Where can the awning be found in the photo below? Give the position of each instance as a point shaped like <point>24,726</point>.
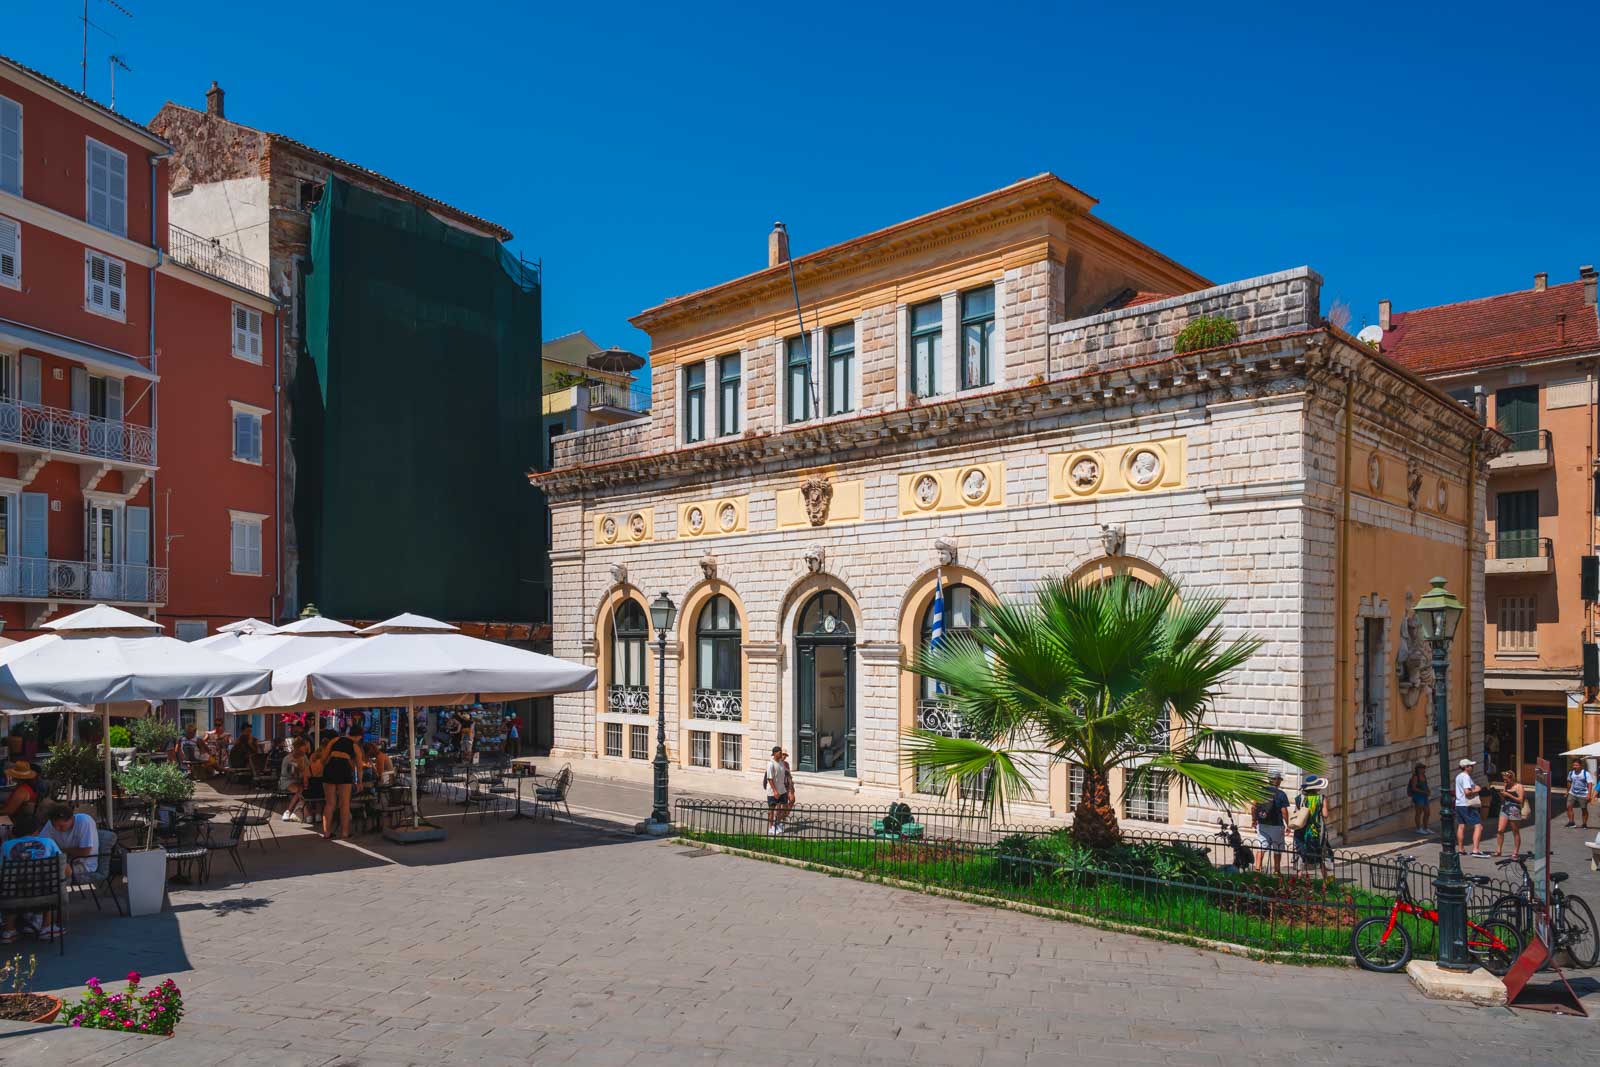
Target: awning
<point>112,362</point>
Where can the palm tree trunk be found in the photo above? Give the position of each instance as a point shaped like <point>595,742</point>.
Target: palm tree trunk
<point>1094,820</point>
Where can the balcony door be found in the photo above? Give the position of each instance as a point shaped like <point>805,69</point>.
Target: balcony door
<point>34,544</point>
<point>101,400</point>
<point>1516,414</point>
<point>1516,531</point>
<point>101,552</point>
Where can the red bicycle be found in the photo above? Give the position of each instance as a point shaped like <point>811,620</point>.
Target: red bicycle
<point>1382,942</point>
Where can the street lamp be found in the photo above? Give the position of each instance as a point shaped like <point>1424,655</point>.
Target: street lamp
<point>1438,614</point>
<point>662,612</point>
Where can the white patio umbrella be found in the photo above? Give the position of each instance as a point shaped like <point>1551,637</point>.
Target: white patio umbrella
<point>1589,751</point>
<point>284,645</point>
<point>410,658</point>
<point>247,626</point>
<point>104,656</point>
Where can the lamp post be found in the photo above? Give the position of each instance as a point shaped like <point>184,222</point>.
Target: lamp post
<point>1438,613</point>
<point>662,612</point>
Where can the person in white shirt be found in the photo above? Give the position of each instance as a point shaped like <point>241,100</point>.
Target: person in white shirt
<point>777,783</point>
<point>76,835</point>
<point>1467,813</point>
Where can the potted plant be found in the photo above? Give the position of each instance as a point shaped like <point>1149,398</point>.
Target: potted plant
<point>78,766</point>
<point>17,1002</point>
<point>153,736</point>
<point>121,745</point>
<point>155,784</point>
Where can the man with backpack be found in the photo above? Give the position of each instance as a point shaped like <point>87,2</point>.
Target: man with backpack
<point>1267,817</point>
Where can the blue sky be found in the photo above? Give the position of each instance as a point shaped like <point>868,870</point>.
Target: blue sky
<point>643,150</point>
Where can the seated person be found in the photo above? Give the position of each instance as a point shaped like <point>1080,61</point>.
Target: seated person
<point>244,755</point>
<point>25,789</point>
<point>26,844</point>
<point>195,755</point>
<point>76,835</point>
<point>381,764</point>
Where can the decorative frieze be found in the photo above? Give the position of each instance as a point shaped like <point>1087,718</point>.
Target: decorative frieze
<point>962,488</point>
<point>714,518</point>
<point>1118,470</point>
<point>1408,482</point>
<point>619,528</point>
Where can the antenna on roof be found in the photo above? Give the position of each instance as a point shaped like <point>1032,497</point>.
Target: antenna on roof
<point>115,62</point>
<point>805,338</point>
<point>84,64</point>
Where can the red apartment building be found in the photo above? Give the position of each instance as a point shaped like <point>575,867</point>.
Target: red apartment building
<point>137,382</point>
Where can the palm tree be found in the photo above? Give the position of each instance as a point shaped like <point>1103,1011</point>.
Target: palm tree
<point>1116,674</point>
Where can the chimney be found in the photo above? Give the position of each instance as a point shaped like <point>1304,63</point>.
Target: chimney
<point>1586,274</point>
<point>777,245</point>
<point>214,101</point>
<point>1383,315</point>
<point>1541,282</point>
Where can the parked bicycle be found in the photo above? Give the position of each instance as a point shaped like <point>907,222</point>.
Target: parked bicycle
<point>1572,925</point>
<point>1243,858</point>
<point>1382,942</point>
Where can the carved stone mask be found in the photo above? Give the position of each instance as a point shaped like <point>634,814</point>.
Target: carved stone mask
<point>818,494</point>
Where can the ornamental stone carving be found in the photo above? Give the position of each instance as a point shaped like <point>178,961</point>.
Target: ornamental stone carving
<point>1413,482</point>
<point>1144,468</point>
<point>1113,539</point>
<point>1411,667</point>
<point>708,566</point>
<point>816,559</point>
<point>975,485</point>
<point>946,551</point>
<point>1374,472</point>
<point>697,519</point>
<point>727,516</point>
<point>1086,473</point>
<point>636,526</point>
<point>926,491</point>
<point>619,574</point>
<point>818,494</point>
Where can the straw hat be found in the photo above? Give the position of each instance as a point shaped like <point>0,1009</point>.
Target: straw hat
<point>21,771</point>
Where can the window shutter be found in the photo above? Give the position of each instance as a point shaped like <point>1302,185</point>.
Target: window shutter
<point>32,380</point>
<point>237,564</point>
<point>116,192</point>
<point>35,525</point>
<point>10,146</point>
<point>241,331</point>
<point>80,391</point>
<point>255,336</point>
<point>114,399</point>
<point>99,205</point>
<point>114,289</point>
<point>94,280</point>
<point>10,250</point>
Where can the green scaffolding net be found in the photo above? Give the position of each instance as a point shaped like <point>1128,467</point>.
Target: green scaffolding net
<point>416,416</point>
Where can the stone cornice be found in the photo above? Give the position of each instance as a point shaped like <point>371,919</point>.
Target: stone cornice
<point>1263,367</point>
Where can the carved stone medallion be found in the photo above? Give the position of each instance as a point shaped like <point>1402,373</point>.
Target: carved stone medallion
<point>1144,468</point>
<point>636,525</point>
<point>818,494</point>
<point>1085,473</point>
<point>975,485</point>
<point>608,529</point>
<point>697,519</point>
<point>727,516</point>
<point>926,491</point>
<point>1374,472</point>
<point>1441,496</point>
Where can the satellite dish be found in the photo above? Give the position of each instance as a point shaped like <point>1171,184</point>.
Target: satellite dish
<point>1370,334</point>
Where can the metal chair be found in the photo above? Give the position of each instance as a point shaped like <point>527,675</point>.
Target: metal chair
<point>34,885</point>
<point>107,864</point>
<point>185,850</point>
<point>553,794</point>
<point>228,843</point>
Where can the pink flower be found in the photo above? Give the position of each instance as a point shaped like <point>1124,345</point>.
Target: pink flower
<point>133,976</point>
<point>93,983</point>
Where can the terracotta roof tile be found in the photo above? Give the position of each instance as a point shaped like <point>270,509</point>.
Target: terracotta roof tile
<point>1509,328</point>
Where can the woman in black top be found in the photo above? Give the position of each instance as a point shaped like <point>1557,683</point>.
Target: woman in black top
<point>341,769</point>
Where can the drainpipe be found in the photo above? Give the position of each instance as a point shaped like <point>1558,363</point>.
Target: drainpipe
<point>1464,682</point>
<point>155,424</point>
<point>277,460</point>
<point>1341,607</point>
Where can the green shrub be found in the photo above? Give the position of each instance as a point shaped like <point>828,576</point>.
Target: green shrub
<point>1207,331</point>
<point>77,765</point>
<point>153,734</point>
<point>120,738</point>
<point>155,784</point>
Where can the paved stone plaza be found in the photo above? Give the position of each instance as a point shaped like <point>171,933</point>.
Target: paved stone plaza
<point>524,943</point>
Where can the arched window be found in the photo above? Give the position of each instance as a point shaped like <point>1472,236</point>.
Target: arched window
<point>628,691</point>
<point>962,605</point>
<point>827,615</point>
<point>719,673</point>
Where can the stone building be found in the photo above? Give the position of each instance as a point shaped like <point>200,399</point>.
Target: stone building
<point>1525,361</point>
<point>989,394</point>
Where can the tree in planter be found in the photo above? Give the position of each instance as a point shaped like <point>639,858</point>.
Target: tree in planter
<point>78,766</point>
<point>152,734</point>
<point>1112,675</point>
<point>155,784</point>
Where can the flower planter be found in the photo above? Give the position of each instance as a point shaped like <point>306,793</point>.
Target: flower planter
<point>29,1007</point>
<point>147,880</point>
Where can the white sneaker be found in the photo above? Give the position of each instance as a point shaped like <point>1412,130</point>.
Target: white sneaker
<point>287,817</point>
<point>772,831</point>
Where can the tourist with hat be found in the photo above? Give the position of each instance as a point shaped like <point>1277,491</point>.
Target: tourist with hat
<point>24,781</point>
<point>1309,822</point>
<point>1468,803</point>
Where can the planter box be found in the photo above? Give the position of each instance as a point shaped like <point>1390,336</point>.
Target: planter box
<point>147,881</point>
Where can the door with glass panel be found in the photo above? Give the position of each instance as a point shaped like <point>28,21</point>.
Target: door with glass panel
<point>825,706</point>
<point>101,557</point>
<point>1517,524</point>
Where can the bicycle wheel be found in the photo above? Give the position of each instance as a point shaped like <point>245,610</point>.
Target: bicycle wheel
<point>1578,934</point>
<point>1495,945</point>
<point>1376,952</point>
<point>1514,910</point>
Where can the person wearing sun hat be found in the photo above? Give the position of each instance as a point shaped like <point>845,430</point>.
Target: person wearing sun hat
<point>1309,822</point>
<point>25,788</point>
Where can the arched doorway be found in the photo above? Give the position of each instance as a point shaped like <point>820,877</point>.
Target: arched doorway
<point>825,685</point>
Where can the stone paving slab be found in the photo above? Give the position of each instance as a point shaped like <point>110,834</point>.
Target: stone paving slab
<point>516,942</point>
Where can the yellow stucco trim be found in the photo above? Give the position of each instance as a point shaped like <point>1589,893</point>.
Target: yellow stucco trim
<point>943,490</point>
<point>717,517</point>
<point>1118,470</point>
<point>845,507</point>
<point>622,528</point>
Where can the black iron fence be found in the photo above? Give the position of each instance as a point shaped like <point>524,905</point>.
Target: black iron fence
<point>1175,883</point>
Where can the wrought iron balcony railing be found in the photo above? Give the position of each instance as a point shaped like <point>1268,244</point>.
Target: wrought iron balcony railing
<point>68,431</point>
<point>73,579</point>
<point>628,700</point>
<point>722,705</point>
<point>1520,547</point>
<point>1528,440</point>
<point>612,395</point>
<point>1372,724</point>
<point>938,716</point>
<point>206,255</point>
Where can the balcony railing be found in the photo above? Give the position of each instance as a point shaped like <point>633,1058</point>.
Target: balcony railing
<point>1529,440</point>
<point>628,700</point>
<point>68,579</point>
<point>624,397</point>
<point>1372,724</point>
<point>1520,547</point>
<point>206,255</point>
<point>938,716</point>
<point>721,705</point>
<point>69,431</point>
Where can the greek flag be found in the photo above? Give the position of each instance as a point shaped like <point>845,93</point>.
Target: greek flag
<point>936,636</point>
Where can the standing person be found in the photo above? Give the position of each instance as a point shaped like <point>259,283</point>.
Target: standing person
<point>513,736</point>
<point>1468,814</point>
<point>1309,823</point>
<point>340,772</point>
<point>788,800</point>
<point>1267,817</point>
<point>1421,795</point>
<point>1512,797</point>
<point>1580,787</point>
<point>777,782</point>
<point>469,733</point>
